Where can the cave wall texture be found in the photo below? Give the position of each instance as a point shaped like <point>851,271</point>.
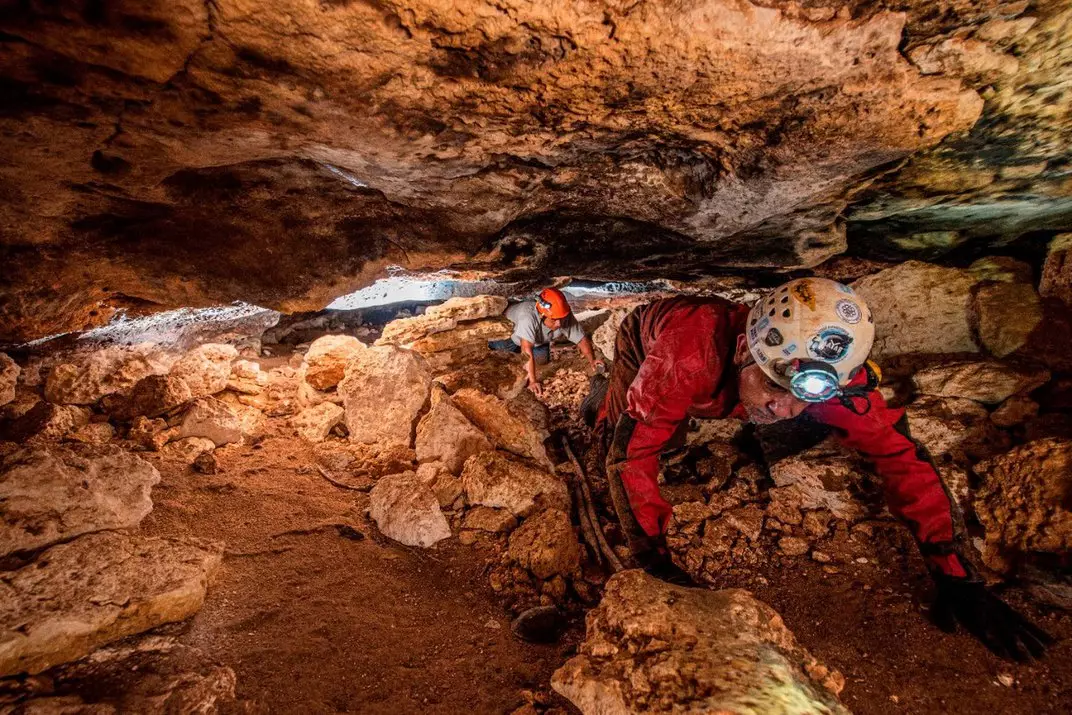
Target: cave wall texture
<point>165,153</point>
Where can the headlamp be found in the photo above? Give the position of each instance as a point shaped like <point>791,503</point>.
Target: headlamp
<point>812,380</point>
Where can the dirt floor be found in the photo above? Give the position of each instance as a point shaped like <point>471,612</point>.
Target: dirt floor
<point>315,617</point>
<point>314,621</point>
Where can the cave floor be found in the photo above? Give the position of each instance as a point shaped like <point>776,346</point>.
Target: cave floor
<point>314,622</point>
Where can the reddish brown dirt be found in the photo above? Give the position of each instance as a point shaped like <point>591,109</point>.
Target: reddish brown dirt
<point>313,622</point>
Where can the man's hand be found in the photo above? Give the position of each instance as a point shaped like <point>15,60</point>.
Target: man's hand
<point>992,621</point>
<point>536,388</point>
<point>599,367</point>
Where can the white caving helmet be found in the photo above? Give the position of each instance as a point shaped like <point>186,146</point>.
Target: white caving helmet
<point>811,336</point>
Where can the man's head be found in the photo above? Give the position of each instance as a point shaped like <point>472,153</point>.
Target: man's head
<point>803,343</point>
<point>552,307</point>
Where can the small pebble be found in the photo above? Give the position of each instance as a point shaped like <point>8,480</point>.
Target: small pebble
<point>1005,679</point>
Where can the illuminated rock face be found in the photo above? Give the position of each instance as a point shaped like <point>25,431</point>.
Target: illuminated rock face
<point>161,154</point>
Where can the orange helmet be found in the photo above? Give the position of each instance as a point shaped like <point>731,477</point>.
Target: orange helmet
<point>550,303</point>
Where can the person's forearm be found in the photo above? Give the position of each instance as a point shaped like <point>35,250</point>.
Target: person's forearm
<point>586,349</point>
<point>530,362</point>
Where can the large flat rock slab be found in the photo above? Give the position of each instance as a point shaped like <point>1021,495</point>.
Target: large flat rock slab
<point>656,648</point>
<point>95,590</point>
<point>383,392</point>
<point>52,494</point>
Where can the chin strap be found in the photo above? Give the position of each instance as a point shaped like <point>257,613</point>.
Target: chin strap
<point>847,397</point>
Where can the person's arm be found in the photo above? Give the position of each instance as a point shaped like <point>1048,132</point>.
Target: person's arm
<point>682,368</point>
<point>916,495</point>
<point>589,353</point>
<point>530,368</point>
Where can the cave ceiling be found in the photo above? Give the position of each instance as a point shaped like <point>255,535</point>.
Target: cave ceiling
<point>157,154</point>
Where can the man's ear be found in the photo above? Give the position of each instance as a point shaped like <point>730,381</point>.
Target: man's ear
<point>742,356</point>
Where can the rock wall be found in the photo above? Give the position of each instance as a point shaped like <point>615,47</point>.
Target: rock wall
<point>162,154</point>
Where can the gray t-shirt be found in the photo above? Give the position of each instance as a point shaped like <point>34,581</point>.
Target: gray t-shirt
<point>528,324</point>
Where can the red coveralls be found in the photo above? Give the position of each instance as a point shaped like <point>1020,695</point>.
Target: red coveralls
<point>674,359</point>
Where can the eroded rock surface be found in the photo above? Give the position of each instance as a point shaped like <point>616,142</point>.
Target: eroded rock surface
<point>53,494</point>
<point>445,435</point>
<point>384,390</point>
<point>406,509</point>
<point>989,382</point>
<point>325,361</point>
<point>9,376</point>
<point>91,376</point>
<point>654,647</point>
<point>518,425</point>
<point>496,479</point>
<point>94,590</point>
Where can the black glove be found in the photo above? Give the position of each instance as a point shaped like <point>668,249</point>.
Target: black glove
<point>1000,628</point>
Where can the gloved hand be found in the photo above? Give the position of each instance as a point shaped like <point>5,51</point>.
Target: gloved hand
<point>1000,628</point>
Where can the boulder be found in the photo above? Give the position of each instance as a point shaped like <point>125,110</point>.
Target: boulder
<point>1023,501</point>
<point>150,433</point>
<point>406,331</point>
<point>604,336</point>
<point>823,477</point>
<point>446,486</point>
<point>95,590</point>
<point>478,332</point>
<point>406,509</point>
<point>205,369</point>
<point>485,518</point>
<point>445,435</point>
<point>546,545</point>
<point>384,390</point>
<point>473,308</point>
<point>153,396</point>
<point>212,419</point>
<point>986,381</point>
<point>1013,411</point>
<point>498,480</point>
<point>657,648</point>
<point>46,422</point>
<point>94,433</point>
<point>495,373</point>
<point>9,377</point>
<point>53,494</point>
<point>325,361</point>
<point>188,449</point>
<point>1056,271</point>
<point>1002,269</point>
<point>951,428</point>
<point>247,378</point>
<point>919,308</point>
<point>1004,315</point>
<point>91,376</point>
<point>518,425</point>
<point>316,423</point>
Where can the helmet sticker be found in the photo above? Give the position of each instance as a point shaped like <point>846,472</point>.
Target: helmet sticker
<point>755,330</point>
<point>802,291</point>
<point>789,350</point>
<point>774,337</point>
<point>830,344</point>
<point>847,311</point>
<point>761,357</point>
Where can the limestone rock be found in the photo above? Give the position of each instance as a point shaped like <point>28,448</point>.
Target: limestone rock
<point>1013,411</point>
<point>206,463</point>
<point>91,376</point>
<point>316,423</point>
<point>823,477</point>
<point>148,433</point>
<point>188,449</point>
<point>657,648</point>
<point>1023,501</point>
<point>405,509</point>
<point>445,435</point>
<point>989,381</point>
<point>325,362</point>
<point>546,545</point>
<point>212,419</point>
<point>478,333</point>
<point>153,396</point>
<point>53,494</point>
<point>95,590</point>
<point>604,336</point>
<point>205,369</point>
<point>96,433</point>
<point>1004,316</point>
<point>486,518</point>
<point>447,487</point>
<point>968,58</point>
<point>247,378</point>
<point>384,390</point>
<point>498,480</point>
<point>518,425</point>
<point>1056,271</point>
<point>9,377</point>
<point>406,331</point>
<point>46,422</point>
<point>495,373</point>
<point>473,308</point>
<point>950,428</point>
<point>919,308</point>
